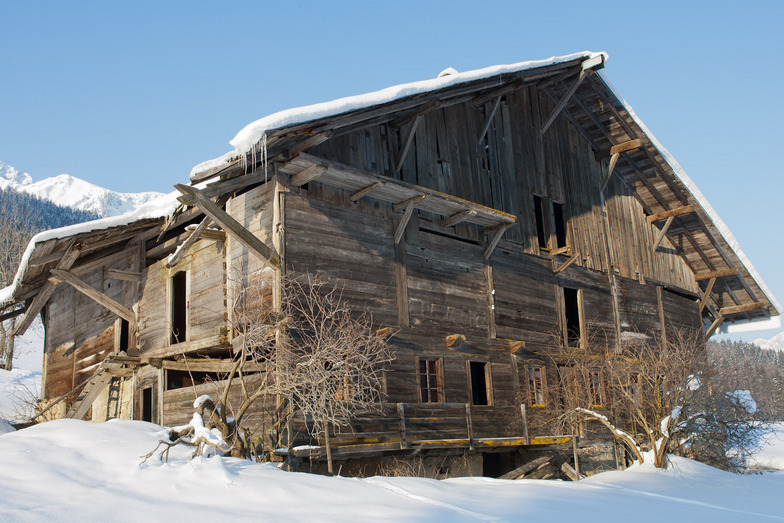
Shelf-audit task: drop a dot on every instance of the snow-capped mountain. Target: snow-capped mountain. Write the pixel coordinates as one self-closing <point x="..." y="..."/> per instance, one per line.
<point x="775" y="343"/>
<point x="66" y="190"/>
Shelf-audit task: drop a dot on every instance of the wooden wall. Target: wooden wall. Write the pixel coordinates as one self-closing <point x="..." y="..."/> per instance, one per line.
<point x="511" y="164"/>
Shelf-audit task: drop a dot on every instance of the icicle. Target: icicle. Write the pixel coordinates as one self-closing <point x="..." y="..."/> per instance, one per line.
<point x="263" y="145"/>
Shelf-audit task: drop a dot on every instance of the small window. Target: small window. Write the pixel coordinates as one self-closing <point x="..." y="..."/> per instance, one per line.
<point x="179" y="308"/>
<point x="429" y="381"/>
<point x="595" y="386"/>
<point x="147" y="404"/>
<point x="123" y="335"/>
<point x="573" y="317"/>
<point x="541" y="221"/>
<point x="536" y="386"/>
<point x="479" y="390"/>
<point x="559" y="221"/>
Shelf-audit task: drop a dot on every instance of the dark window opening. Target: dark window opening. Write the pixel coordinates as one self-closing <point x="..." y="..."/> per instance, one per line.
<point x="177" y="379"/>
<point x="123" y="340"/>
<point x="478" y="383"/>
<point x="560" y="225"/>
<point x="147" y="404"/>
<point x="541" y="231"/>
<point x="179" y="312"/>
<point x="429" y="381"/>
<point x="572" y="310"/>
<point x="536" y="386"/>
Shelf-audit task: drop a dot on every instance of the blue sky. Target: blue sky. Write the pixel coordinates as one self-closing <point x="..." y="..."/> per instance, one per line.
<point x="131" y="95"/>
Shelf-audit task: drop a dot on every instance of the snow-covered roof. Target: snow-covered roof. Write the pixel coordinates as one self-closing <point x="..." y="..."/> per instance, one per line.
<point x="724" y="230"/>
<point x="158" y="208"/>
<point x="253" y="133"/>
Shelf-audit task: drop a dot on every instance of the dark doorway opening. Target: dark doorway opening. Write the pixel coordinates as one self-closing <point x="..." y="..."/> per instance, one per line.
<point x="179" y="310"/>
<point x="479" y="394"/>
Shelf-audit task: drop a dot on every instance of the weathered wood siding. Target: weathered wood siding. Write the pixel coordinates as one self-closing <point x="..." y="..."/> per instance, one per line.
<point x="505" y="169"/>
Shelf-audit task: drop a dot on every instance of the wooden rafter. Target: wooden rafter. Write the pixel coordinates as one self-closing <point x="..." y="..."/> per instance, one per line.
<point x="308" y="175"/>
<point x="497" y="233"/>
<point x="366" y="191"/>
<point x="706" y="294"/>
<point x="488" y="121"/>
<point x="566" y="263"/>
<point x="564" y="101"/>
<point x="232" y="227"/>
<point x="401" y="227"/>
<point x="69" y="258"/>
<point x="457" y="218"/>
<point x="619" y="148"/>
<point x="747" y="307"/>
<point x="188" y="243"/>
<point x="686" y="209"/>
<point x="715" y="274"/>
<point x="12" y="314"/>
<point x="715" y="325"/>
<point x="662" y="232"/>
<point x="407" y="143"/>
<point x="59" y="275"/>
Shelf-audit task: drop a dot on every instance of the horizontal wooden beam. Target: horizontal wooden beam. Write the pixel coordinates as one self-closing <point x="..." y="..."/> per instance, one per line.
<point x="12" y="314"/>
<point x="211" y="365"/>
<point x="686" y="209"/>
<point x="735" y="309"/>
<point x="59" y="275"/>
<point x="232" y="227"/>
<point x="619" y="148"/>
<point x="117" y="274"/>
<point x="715" y="274"/>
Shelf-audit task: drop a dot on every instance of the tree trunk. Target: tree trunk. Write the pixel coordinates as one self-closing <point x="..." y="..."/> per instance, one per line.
<point x="7" y="345"/>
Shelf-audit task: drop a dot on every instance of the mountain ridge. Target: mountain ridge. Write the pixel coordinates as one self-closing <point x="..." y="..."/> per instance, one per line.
<point x="70" y="191"/>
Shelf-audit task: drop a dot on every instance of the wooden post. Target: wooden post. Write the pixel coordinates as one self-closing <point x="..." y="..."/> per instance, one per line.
<point x="401" y="420"/>
<point x="576" y="459"/>
<point x="329" y="451"/>
<point x="525" y="424"/>
<point x="469" y="426"/>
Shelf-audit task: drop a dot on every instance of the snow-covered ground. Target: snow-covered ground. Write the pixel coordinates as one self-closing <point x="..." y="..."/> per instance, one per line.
<point x="74" y="470"/>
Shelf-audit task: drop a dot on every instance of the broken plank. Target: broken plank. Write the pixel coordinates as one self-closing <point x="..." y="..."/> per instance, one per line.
<point x="522" y="470"/>
<point x="366" y="191"/>
<point x="686" y="209"/>
<point x="308" y="175"/>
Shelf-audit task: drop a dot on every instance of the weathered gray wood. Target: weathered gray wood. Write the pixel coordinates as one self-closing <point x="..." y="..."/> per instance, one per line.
<point x="407" y="143"/>
<point x="706" y="294"/>
<point x="182" y="250"/>
<point x="120" y="310"/>
<point x="497" y="235"/>
<point x="522" y="470"/>
<point x="412" y="201"/>
<point x="662" y="233"/>
<point x="566" y="263"/>
<point x="308" y="175"/>
<point x="232" y="226"/>
<point x="366" y="191"/>
<point x="556" y="111"/>
<point x="69" y="258"/>
<point x="401" y="226"/>
<point x="457" y="218"/>
<point x="118" y="274"/>
<point x="489" y="121"/>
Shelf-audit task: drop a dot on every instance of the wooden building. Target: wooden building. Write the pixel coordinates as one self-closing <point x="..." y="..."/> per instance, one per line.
<point x="489" y="218"/>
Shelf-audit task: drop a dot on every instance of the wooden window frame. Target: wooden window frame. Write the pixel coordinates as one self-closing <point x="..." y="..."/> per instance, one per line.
<point x="439" y="380"/>
<point x="545" y="220"/>
<point x="565" y="317"/>
<point x="530" y="379"/>
<point x="170" y="306"/>
<point x="488" y="382"/>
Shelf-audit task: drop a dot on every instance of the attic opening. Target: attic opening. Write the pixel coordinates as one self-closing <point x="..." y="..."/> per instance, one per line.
<point x="559" y="223"/>
<point x="179" y="307"/>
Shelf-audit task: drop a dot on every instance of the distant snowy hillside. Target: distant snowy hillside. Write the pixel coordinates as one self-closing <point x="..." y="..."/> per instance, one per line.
<point x="775" y="343"/>
<point x="66" y="190"/>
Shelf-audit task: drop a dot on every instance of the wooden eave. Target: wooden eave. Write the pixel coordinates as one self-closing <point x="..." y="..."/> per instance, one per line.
<point x="97" y="245"/>
<point x="602" y="119"/>
<point x="397" y="192"/>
